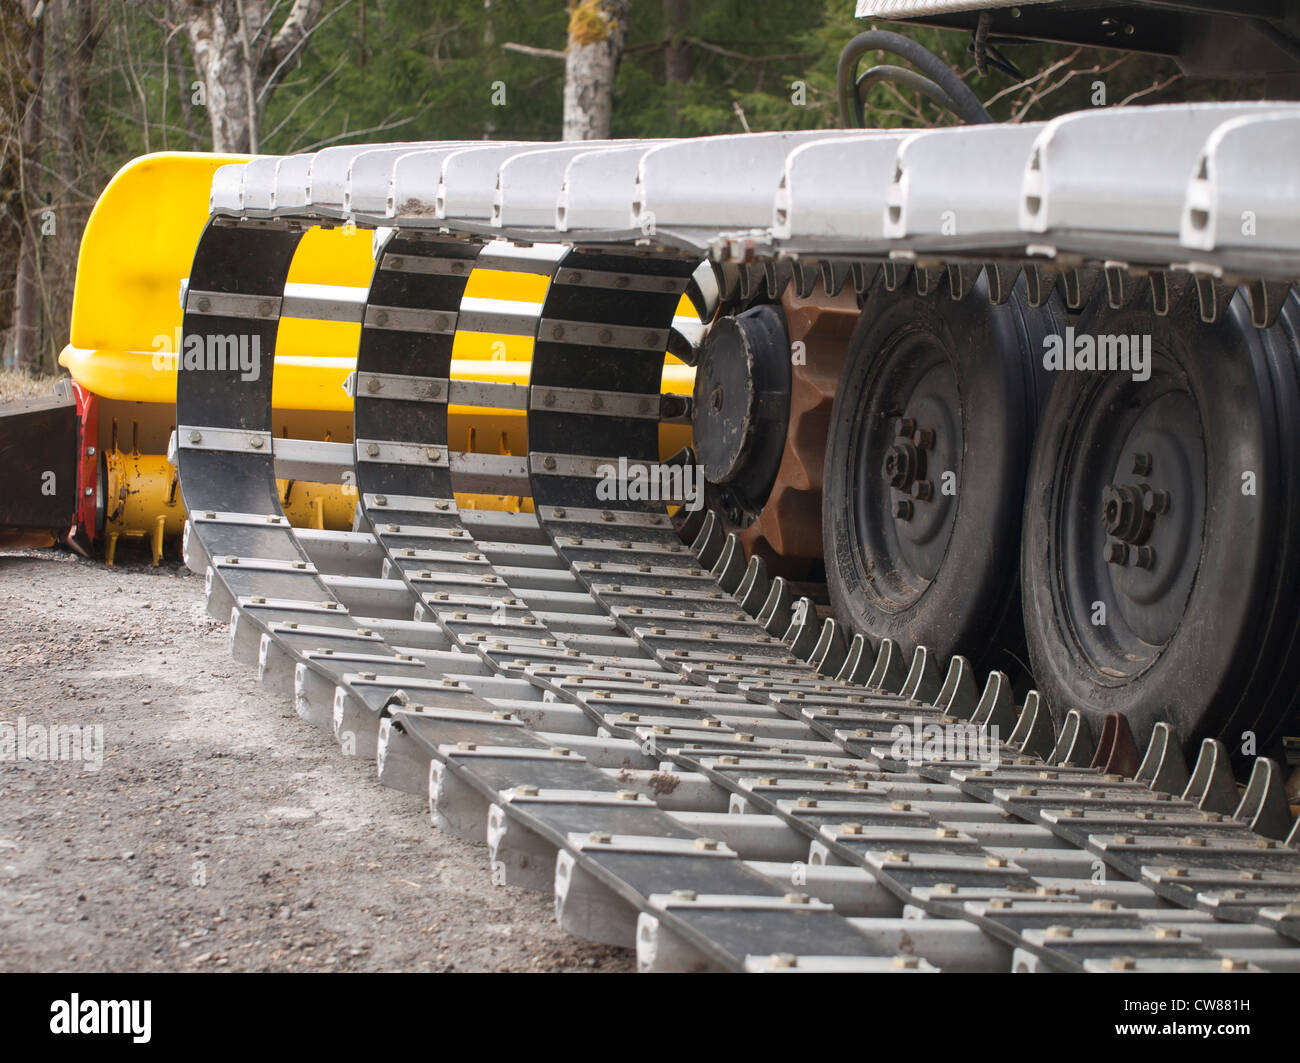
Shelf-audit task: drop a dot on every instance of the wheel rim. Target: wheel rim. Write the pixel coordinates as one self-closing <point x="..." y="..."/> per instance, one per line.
<point x="903" y="460"/>
<point x="1131" y="516"/>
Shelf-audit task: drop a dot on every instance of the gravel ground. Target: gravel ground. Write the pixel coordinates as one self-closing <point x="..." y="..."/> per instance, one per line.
<point x="219" y="832"/>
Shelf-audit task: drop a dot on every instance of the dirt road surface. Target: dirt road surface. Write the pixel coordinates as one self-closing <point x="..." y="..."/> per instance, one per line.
<point x="220" y="832"/>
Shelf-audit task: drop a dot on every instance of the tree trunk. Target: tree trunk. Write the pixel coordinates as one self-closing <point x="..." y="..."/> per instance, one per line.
<point x="677" y="51"/>
<point x="597" y="31"/>
<point x="27" y="291"/>
<point x="15" y="38"/>
<point x="183" y="78"/>
<point x="239" y="61"/>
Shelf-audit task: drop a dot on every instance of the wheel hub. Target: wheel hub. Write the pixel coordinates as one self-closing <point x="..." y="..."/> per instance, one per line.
<point x="742" y="408"/>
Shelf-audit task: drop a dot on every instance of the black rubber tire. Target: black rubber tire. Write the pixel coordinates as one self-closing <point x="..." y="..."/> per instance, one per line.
<point x="1226" y="664"/>
<point x="969" y="602"/>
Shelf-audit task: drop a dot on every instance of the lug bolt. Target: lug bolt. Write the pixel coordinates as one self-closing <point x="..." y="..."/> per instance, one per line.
<point x="1141" y="464"/>
<point x="1146" y="557"/>
<point x="1117" y="554"/>
<point x="1155" y="502"/>
<point x="924" y="438"/>
<point x="903" y="509"/>
<point x="906" y="428"/>
<point x="923" y="490"/>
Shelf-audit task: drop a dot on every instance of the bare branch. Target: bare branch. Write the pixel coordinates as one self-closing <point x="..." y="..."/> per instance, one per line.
<point x="528" y="49"/>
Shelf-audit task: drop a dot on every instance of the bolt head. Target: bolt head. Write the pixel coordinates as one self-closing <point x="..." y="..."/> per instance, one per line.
<point x="903" y="509"/>
<point x="1141" y="464"/>
<point x="1117" y="554"/>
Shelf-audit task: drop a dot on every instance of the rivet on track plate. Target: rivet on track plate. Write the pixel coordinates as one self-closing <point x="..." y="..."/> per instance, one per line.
<point x="816" y="764"/>
<point x="650" y="339"/>
<point x="1251" y="876"/>
<point x="1168" y="932"/>
<point x="560" y="751"/>
<point x="256" y="442"/>
<point x="374" y="384"/>
<point x="372" y="450"/>
<point x="557" y="333"/>
<point x="197" y="437"/>
<point x="744" y="738"/>
<point x="600" y="837"/>
<point x="830" y="712"/>
<point x="1105" y="905"/>
<point x="896" y="856"/>
<point x="796" y="898"/>
<point x="785" y="960"/>
<point x="996" y="861"/>
<point x="906" y="963"/>
<point x="1026" y="791"/>
<point x="900" y="806"/>
<point x="1060" y="932"/>
<point x="369" y="677"/>
<point x="1176" y="872"/>
<point x="291" y="625"/>
<point x="945" y="832"/>
<point x="1123" y="839"/>
<point x="626" y="795"/>
<point x="1113" y="778"/>
<point x="440" y="505"/>
<point x="526" y="790"/>
<point x="1000" y="902"/>
<point x="604" y="335"/>
<point x="1266" y="843"/>
<point x="1047" y="775"/>
<point x="711" y="723"/>
<point x="806" y="802"/>
<point x="728" y="760"/>
<point x="683" y="895"/>
<point x="1048" y="891"/>
<point x="1212" y="817"/>
<point x="706" y="844"/>
<point x="1229" y="963"/>
<point x="434" y="454"/>
<point x="300" y="564"/>
<point x="944" y="887"/>
<point x="1191" y="839"/>
<point x="548" y="462"/>
<point x="1072" y="813"/>
<point x="205" y="304"/>
<point x="629" y="717"/>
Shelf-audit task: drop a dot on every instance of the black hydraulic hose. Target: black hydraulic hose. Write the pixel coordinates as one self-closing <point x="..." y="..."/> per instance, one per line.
<point x="966" y="104"/>
<point x="905" y="77"/>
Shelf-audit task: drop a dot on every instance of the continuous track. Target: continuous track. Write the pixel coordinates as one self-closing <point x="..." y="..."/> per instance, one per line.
<point x="660" y="733"/>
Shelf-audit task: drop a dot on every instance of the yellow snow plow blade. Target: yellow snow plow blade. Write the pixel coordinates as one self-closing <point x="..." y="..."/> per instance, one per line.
<point x="126" y="325"/>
